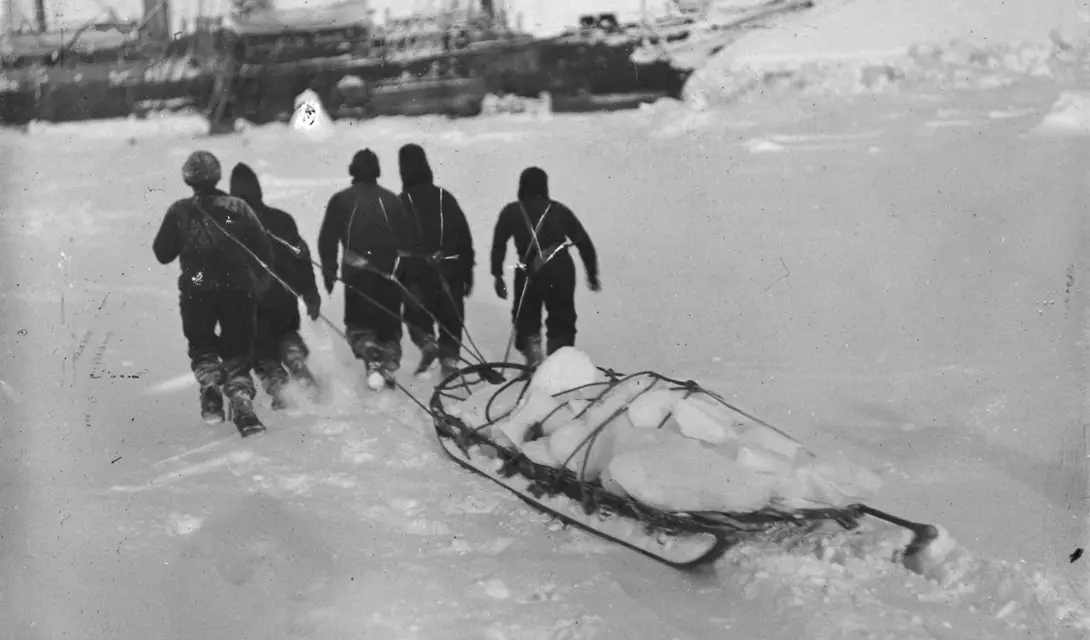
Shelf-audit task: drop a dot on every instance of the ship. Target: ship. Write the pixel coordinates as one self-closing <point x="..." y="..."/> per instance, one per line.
<point x="253" y="65"/>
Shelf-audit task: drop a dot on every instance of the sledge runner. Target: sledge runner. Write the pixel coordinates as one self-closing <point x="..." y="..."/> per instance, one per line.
<point x="279" y="350"/>
<point x="368" y="221"/>
<point x="438" y="270"/>
<point x="542" y="229"/>
<point x="220" y="284"/>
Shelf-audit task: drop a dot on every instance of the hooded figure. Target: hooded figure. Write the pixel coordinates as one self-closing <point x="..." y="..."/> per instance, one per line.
<point x="438" y="271"/>
<point x="370" y="224"/>
<point x="278" y="343"/>
<point x="542" y="229"/>
<point x="218" y="241"/>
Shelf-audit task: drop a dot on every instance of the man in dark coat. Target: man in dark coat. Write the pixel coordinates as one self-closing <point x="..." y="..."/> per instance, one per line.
<point x="278" y="343"/>
<point x="542" y="229"/>
<point x="216" y="239"/>
<point x="369" y="222"/>
<point x="438" y="271"/>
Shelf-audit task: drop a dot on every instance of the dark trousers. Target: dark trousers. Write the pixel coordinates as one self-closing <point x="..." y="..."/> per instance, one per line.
<point x="372" y="318"/>
<point x="553" y="287"/>
<point x="224" y="359"/>
<point x="431" y="301"/>
<point x="278" y="344"/>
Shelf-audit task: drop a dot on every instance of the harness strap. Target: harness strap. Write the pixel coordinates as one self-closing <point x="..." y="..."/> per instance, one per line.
<point x="546" y="258"/>
<point x="438" y="255"/>
<point x="355" y="259"/>
<point x="553" y="249"/>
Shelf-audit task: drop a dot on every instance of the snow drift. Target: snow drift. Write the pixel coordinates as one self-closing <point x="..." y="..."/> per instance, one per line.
<point x="850" y="46"/>
<point x="1070" y="115"/>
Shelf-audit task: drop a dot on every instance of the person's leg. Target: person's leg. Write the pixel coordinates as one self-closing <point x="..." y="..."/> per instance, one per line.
<point x="386" y="319"/>
<point x="560" y="307"/>
<point x="293" y="349"/>
<point x="450" y="310"/>
<point x="418" y="319"/>
<point x="199" y="315"/>
<point x="267" y="354"/>
<point x="526" y="316"/>
<point x="238" y="320"/>
<point x="357" y="314"/>
<point x="374" y="328"/>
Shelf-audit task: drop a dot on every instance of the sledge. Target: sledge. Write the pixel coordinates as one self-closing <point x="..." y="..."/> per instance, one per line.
<point x="684" y="540"/>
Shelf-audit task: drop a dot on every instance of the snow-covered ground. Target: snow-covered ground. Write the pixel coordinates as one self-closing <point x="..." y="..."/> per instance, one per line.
<point x="902" y="280"/>
<point x="866" y="46"/>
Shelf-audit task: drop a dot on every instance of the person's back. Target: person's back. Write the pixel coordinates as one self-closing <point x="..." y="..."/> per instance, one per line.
<point x="437" y="222"/>
<point x="365" y="218"/>
<point x="540" y="227"/>
<point x="291" y="259"/>
<point x="209" y="258"/>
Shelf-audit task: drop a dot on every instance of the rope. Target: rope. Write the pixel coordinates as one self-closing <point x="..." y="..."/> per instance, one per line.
<point x="549" y="479"/>
<point x="291" y="289"/>
<point x="434" y="258"/>
<point x="476" y="352"/>
<point x="534" y="229"/>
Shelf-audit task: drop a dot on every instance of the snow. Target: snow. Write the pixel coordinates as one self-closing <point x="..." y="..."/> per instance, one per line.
<point x="851" y="46"/>
<point x="1070" y="115"/>
<point x="906" y="293"/>
<point x="853" y="27"/>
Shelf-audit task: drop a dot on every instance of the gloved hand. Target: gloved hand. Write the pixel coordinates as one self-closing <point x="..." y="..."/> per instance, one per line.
<point x="592" y="282"/>
<point x="329" y="278"/>
<point x="468" y="289"/>
<point x="501" y="288"/>
<point x="314" y="304"/>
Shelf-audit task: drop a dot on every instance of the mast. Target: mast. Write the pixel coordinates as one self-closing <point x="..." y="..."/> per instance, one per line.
<point x="39" y="9"/>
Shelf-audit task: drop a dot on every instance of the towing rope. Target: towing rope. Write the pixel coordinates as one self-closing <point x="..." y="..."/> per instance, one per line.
<point x="329" y="322"/>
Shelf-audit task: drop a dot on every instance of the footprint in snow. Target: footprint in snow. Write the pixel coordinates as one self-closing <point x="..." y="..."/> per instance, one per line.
<point x="408" y="506"/>
<point x="470" y="505"/>
<point x="339" y="480"/>
<point x="184" y="524"/>
<point x="330" y="428"/>
<point x="297" y="484"/>
<point x="412" y="526"/>
<point x="496" y="588"/>
<point x="359" y="451"/>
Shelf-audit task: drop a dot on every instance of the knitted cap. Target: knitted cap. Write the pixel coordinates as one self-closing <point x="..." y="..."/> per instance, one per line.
<point x="365" y="166"/>
<point x="201" y="168"/>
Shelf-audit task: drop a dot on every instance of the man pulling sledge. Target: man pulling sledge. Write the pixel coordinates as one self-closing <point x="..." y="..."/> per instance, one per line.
<point x="542" y="229"/>
<point x="368" y="221"/>
<point x="279" y="350"/>
<point x="216" y="238"/>
<point x="438" y="270"/>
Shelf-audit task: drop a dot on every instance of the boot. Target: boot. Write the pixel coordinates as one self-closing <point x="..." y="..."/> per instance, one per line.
<point x="532" y="352"/>
<point x="448" y="367"/>
<point x="428" y="353"/>
<point x="379" y="378"/>
<point x="212" y="405"/>
<point x="301" y="373"/>
<point x="244" y="417"/>
<point x="276" y="392"/>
